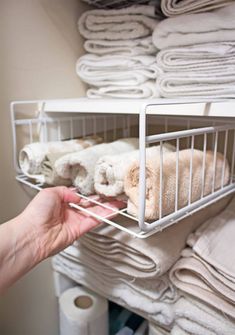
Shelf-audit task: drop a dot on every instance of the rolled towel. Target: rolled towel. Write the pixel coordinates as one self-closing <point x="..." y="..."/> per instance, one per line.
<point x="111" y="170"/>
<point x="196" y="318"/>
<point x="117" y="70"/>
<point x="32" y="155"/>
<point x="207" y="84"/>
<point x="80" y="167"/>
<point x="201" y="58"/>
<point x="147" y="90"/>
<point x="49" y="172"/>
<point x="137" y="46"/>
<point x="217" y="26"/>
<point x="118" y="24"/>
<point x="131" y="183"/>
<point x="174" y="7"/>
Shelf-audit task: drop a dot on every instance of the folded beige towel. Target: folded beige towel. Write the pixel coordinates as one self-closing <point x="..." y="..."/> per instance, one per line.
<point x="215" y="27"/>
<point x="32" y="155"/>
<point x="144" y="258"/>
<point x="174" y="7"/>
<point x="207" y="271"/>
<point x="196" y="318"/>
<point x="80" y="166"/>
<point x="111" y="170"/>
<point x="118" y="24"/>
<point x="131" y="183"/>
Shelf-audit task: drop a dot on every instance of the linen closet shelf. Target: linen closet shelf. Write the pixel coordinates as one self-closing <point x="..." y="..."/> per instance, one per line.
<point x="187" y="124"/>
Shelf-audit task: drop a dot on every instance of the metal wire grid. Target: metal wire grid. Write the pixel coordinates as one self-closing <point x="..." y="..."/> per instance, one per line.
<point x="138" y="227"/>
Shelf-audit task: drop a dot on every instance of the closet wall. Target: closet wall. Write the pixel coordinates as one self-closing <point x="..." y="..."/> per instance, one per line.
<point x="39" y="47"/>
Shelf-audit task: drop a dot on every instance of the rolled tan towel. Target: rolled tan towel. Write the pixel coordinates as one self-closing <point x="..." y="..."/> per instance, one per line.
<point x="131" y="182"/>
<point x="32" y="155"/>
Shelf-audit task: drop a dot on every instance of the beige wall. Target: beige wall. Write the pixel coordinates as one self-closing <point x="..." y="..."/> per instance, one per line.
<point x="39" y="48"/>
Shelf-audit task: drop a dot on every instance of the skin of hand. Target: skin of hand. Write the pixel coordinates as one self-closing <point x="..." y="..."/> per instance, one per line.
<point x="46" y="226"/>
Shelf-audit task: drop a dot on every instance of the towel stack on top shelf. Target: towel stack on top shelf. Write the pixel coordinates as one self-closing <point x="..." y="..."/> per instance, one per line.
<point x="197" y="54"/>
<point x="121" y="59"/>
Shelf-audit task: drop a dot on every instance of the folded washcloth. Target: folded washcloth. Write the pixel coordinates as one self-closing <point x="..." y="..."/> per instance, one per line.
<point x="80" y="166"/>
<point x="201" y="58"/>
<point x="49" y="173"/>
<point x="147" y="90"/>
<point x="117" y="70"/>
<point x="131" y="183"/>
<point x="195" y="318"/>
<point x="32" y="155"/>
<point x="174" y="7"/>
<point x="118" y="24"/>
<point x="111" y="170"/>
<point x="143" y="258"/>
<point x="216" y="26"/>
<point x="137" y="46"/>
<point x="206" y="84"/>
<point x="207" y="270"/>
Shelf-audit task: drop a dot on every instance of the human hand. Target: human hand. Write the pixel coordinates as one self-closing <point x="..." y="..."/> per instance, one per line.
<point x="53" y="224"/>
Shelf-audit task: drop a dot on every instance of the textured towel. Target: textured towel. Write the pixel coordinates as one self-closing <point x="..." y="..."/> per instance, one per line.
<point x="120" y="292"/>
<point x="33" y="154"/>
<point x="210" y="57"/>
<point x="120" y="24"/>
<point x="147" y="90"/>
<point x="207" y="271"/>
<point x="207" y="84"/>
<point x="49" y="173"/>
<point x="195" y="318"/>
<point x="155" y="329"/>
<point x="117" y="70"/>
<point x="111" y="170"/>
<point x="138" y="46"/>
<point x="217" y="26"/>
<point x="80" y="167"/>
<point x="145" y="258"/>
<point x="174" y="7"/>
<point x="131" y="183"/>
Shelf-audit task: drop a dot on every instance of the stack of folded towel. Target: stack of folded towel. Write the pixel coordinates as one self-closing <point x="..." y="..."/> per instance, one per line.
<point x="206" y="271"/>
<point x="133" y="272"/>
<point x="121" y="56"/>
<point x="197" y="52"/>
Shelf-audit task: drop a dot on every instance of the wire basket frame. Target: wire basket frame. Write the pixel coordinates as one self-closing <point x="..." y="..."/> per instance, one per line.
<point x="210" y="137"/>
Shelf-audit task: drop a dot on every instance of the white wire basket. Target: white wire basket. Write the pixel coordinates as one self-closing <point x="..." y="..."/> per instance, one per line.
<point x="192" y="132"/>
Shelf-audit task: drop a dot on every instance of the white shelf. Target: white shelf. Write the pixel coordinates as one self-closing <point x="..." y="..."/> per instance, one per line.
<point x="180" y="107"/>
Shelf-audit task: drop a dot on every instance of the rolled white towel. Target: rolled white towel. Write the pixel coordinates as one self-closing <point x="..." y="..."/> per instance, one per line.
<point x="137" y="46"/>
<point x="80" y="167"/>
<point x="117" y="70"/>
<point x="32" y="155"/>
<point x="149" y="89"/>
<point x="110" y="171"/>
<point x="174" y="7"/>
<point x="216" y="26"/>
<point x="118" y="24"/>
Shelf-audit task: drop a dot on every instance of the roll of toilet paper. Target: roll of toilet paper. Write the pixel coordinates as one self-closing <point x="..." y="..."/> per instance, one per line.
<point x="83" y="312"/>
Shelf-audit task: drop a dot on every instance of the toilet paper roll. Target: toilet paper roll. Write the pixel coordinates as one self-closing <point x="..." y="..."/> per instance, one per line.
<point x="83" y="312"/>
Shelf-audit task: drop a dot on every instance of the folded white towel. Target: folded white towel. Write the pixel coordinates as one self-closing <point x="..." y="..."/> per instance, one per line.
<point x="133" y="47"/>
<point x="111" y="170"/>
<point x="117" y="70"/>
<point x="190" y="84"/>
<point x="201" y="58"/>
<point x="196" y="318"/>
<point x="32" y="155"/>
<point x="80" y="166"/>
<point x="175" y="7"/>
<point x="216" y="26"/>
<point x="147" y="90"/>
<point x="118" y="24"/>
